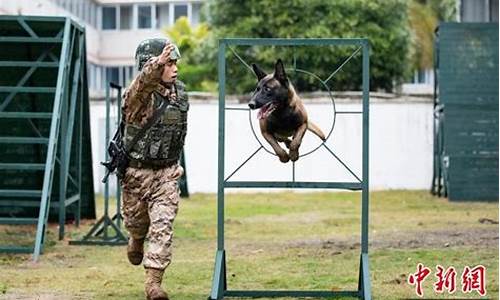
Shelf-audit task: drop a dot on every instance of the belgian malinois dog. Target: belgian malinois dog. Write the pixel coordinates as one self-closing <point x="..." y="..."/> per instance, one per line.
<point x="282" y="114"/>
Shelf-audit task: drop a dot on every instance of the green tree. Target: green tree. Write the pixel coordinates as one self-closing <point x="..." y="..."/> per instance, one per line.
<point x="424" y="17"/>
<point x="422" y="22"/>
<point x="195" y="70"/>
<point x="383" y="22"/>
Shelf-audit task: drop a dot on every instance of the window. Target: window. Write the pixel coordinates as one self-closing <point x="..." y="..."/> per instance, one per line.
<point x="112" y="75"/>
<point x="162" y="15"/>
<point x="132" y="71"/>
<point x="144" y="16"/>
<point x="125" y="17"/>
<point x="90" y="69"/>
<point x="72" y="7"/>
<point x="180" y="11"/>
<point x="195" y="16"/>
<point x="66" y="5"/>
<point x="78" y="9"/>
<point x="494" y="11"/>
<point x="86" y="8"/>
<point x="93" y="14"/>
<point x="109" y="18"/>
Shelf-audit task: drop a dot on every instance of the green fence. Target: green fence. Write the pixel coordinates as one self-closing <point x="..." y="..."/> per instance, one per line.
<point x="466" y="112"/>
<point x="45" y="150"/>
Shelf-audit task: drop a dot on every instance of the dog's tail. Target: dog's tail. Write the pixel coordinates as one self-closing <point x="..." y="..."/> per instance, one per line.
<point x="316" y="130"/>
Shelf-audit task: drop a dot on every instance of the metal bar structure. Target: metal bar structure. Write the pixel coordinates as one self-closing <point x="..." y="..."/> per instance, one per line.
<point x="466" y="107"/>
<point x="99" y="234"/>
<point x="219" y="284"/>
<point x="48" y="73"/>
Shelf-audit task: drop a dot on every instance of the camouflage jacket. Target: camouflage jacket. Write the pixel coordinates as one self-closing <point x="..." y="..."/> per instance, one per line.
<point x="162" y="144"/>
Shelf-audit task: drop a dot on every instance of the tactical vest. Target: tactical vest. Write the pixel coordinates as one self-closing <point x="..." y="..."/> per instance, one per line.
<point x="162" y="144"/>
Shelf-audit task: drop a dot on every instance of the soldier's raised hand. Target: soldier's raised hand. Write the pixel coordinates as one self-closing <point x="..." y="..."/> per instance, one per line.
<point x="164" y="57"/>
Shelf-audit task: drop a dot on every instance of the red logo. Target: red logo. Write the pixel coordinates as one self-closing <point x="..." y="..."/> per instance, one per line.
<point x="473" y="279"/>
<point x="417" y="278"/>
<point x="445" y="280"/>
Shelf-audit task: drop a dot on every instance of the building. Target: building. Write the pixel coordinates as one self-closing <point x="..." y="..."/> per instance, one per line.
<point x="478" y="11"/>
<point x="114" y="28"/>
<point x="470" y="11"/>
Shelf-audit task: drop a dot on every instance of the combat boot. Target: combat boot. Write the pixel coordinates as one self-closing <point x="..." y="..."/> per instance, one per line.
<point x="135" y="251"/>
<point x="153" y="285"/>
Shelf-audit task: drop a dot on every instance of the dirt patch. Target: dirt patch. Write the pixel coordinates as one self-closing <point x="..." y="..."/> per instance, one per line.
<point x="18" y="295"/>
<point x="451" y="237"/>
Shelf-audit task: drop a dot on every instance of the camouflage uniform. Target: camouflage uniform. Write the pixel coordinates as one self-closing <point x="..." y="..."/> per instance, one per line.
<point x="150" y="196"/>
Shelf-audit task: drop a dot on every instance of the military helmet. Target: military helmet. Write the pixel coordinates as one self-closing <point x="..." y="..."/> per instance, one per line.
<point x="153" y="47"/>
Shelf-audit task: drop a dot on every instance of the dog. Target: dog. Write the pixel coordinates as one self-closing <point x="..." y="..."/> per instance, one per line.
<point x="282" y="114"/>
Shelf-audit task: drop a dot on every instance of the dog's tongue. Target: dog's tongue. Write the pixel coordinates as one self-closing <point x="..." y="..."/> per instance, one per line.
<point x="265" y="111"/>
<point x="260" y="114"/>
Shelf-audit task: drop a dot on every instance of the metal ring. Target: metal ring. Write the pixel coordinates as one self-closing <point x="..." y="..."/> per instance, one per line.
<point x="333" y="121"/>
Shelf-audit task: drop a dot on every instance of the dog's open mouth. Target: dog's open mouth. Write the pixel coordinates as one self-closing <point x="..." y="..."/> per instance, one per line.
<point x="266" y="110"/>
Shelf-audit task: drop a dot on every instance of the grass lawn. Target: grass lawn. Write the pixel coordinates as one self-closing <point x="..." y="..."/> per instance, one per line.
<point x="299" y="241"/>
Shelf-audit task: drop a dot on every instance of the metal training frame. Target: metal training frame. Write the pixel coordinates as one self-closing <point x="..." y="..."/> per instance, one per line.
<point x="99" y="233"/>
<point x="219" y="283"/>
<point x="51" y="96"/>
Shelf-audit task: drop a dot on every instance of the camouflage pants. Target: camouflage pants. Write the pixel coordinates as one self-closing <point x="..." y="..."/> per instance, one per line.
<point x="150" y="201"/>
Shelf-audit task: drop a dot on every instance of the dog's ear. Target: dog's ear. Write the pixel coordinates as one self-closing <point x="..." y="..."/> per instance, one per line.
<point x="258" y="72"/>
<point x="279" y="72"/>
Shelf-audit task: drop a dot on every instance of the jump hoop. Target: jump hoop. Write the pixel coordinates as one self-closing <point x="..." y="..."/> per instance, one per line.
<point x="333" y="108"/>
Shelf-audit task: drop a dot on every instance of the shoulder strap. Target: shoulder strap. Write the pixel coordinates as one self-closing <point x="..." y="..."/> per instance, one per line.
<point x="156" y="115"/>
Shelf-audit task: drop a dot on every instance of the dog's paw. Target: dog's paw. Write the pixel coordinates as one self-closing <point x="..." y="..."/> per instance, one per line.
<point x="294" y="155"/>
<point x="284" y="157"/>
<point x="294" y="146"/>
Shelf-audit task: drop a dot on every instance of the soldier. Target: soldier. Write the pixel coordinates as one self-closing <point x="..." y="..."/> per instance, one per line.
<point x="149" y="185"/>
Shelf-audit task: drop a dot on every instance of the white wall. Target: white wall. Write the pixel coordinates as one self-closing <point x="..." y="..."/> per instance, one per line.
<point x="400" y="145"/>
<point x="117" y="47"/>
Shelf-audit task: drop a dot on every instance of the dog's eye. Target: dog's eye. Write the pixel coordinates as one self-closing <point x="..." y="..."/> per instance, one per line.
<point x="267" y="89"/>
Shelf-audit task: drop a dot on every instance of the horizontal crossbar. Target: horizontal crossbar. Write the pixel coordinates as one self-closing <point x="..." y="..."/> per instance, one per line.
<point x="25" y="115"/>
<point x="292" y="42"/>
<point x="23" y="140"/>
<point x="113" y="242"/>
<point x="22" y="39"/>
<point x="16" y="249"/>
<point x="269" y="294"/>
<point x="27" y="89"/>
<point x="50" y="19"/>
<point x="21" y="193"/>
<point x="18" y="221"/>
<point x="35" y="203"/>
<point x="294" y="184"/>
<point x="40" y="64"/>
<point x="21" y="166"/>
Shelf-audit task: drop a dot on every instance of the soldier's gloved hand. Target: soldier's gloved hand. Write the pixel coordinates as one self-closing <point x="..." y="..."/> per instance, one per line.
<point x="179" y="171"/>
<point x="164" y="57"/>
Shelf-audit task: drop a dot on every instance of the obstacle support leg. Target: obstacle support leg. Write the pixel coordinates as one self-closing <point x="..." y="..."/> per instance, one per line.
<point x="219" y="284"/>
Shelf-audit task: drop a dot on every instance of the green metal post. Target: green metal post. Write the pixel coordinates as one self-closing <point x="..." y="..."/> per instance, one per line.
<point x="118" y="186"/>
<point x="366" y="292"/>
<point x="67" y="131"/>
<point x="79" y="162"/>
<point x="219" y="276"/>
<point x="220" y="190"/>
<point x="106" y="185"/>
<point x="62" y="164"/>
<point x="49" y="165"/>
